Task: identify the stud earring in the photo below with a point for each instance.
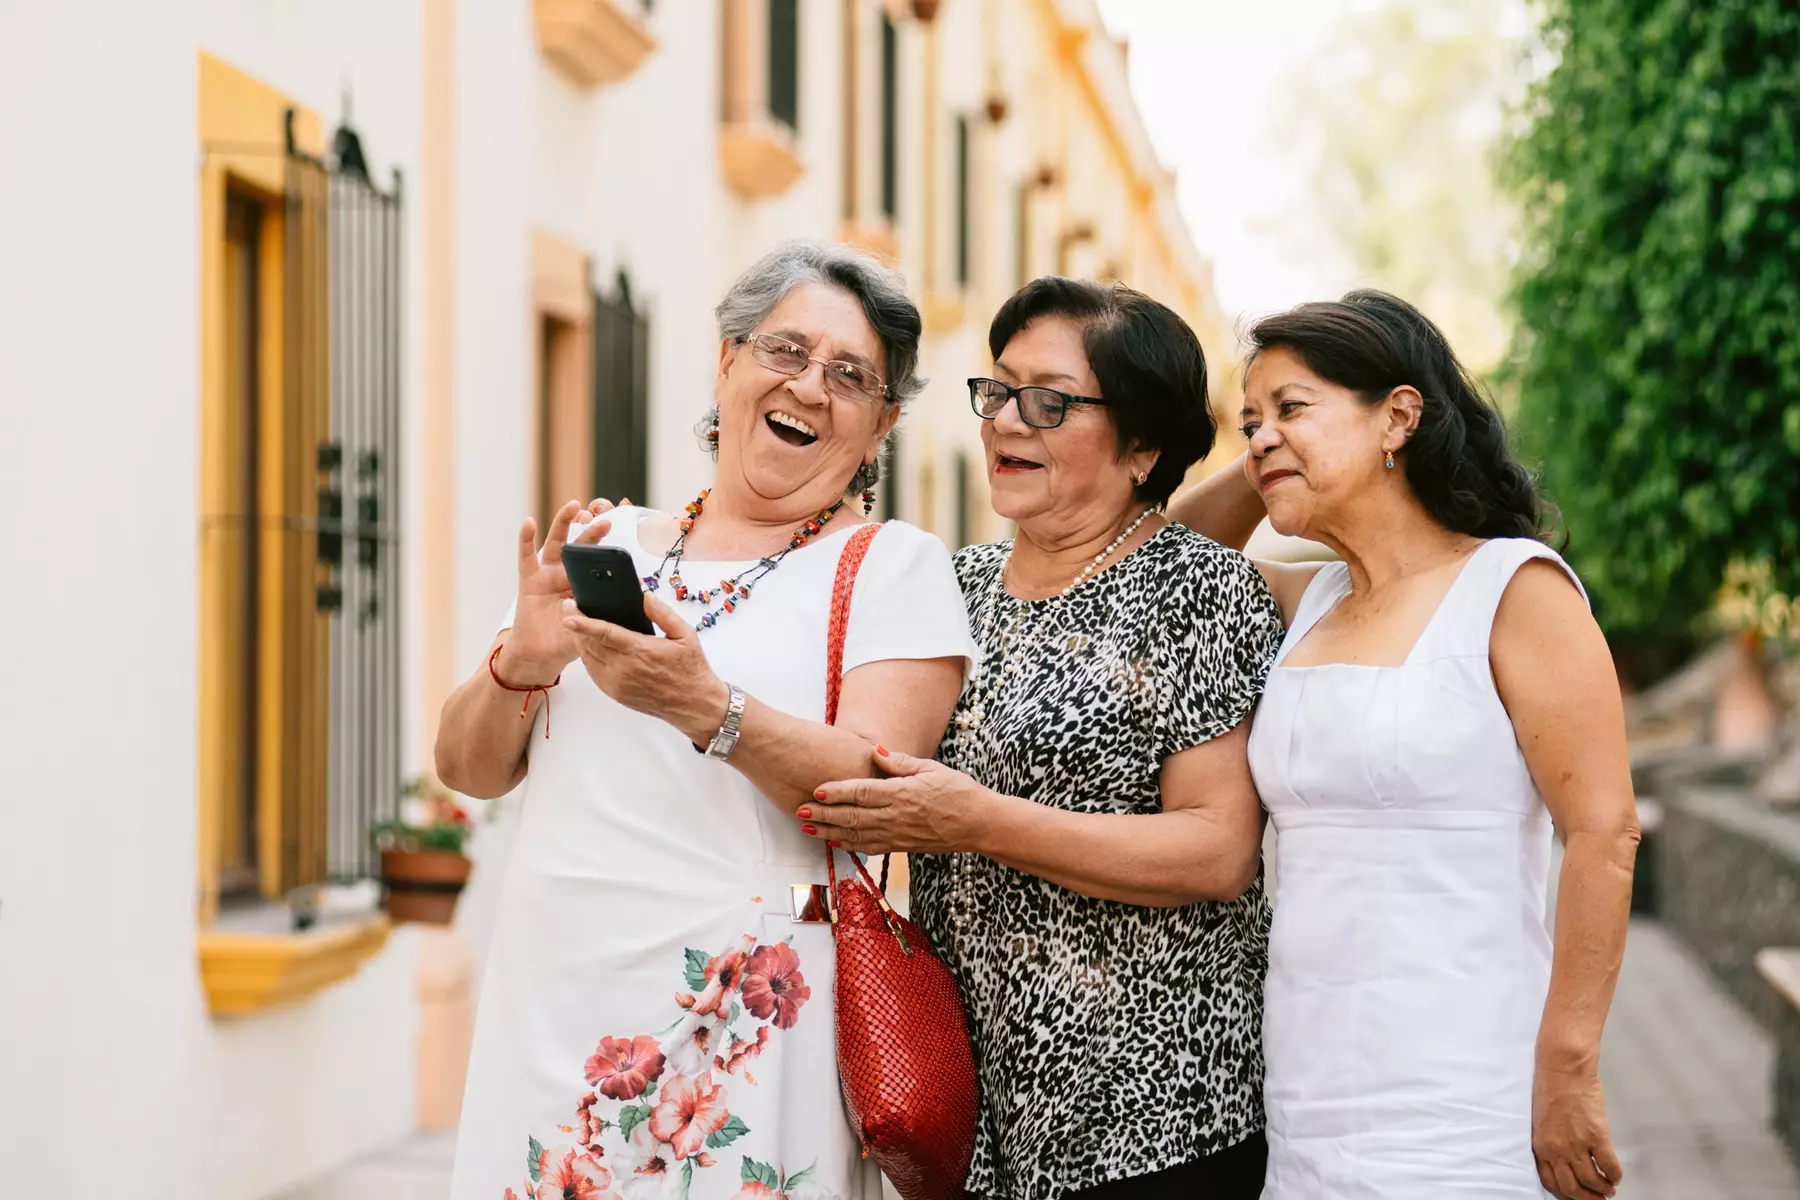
(868, 501)
(1390, 460)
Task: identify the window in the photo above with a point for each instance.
(299, 641)
(299, 618)
(963, 199)
(784, 62)
(890, 118)
(563, 311)
(621, 396)
(760, 96)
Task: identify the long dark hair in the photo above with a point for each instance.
(1458, 460)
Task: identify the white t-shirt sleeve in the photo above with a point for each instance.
(907, 603)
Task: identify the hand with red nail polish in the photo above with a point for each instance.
(910, 805)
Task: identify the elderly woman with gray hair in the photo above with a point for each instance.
(653, 1020)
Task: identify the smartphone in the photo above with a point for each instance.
(606, 587)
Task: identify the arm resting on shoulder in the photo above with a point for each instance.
(1223, 506)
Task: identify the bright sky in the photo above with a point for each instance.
(1204, 73)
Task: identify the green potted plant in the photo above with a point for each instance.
(423, 867)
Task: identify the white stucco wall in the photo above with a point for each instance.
(113, 1077)
(98, 442)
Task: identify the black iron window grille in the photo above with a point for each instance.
(621, 383)
(784, 62)
(342, 386)
(890, 118)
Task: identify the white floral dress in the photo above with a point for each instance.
(653, 1023)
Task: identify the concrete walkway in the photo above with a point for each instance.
(1687, 1083)
(1686, 1075)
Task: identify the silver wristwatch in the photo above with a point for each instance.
(725, 741)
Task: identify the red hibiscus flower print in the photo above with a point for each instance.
(724, 975)
(773, 985)
(574, 1176)
(742, 1051)
(623, 1067)
(687, 1112)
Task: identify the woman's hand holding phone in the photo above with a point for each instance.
(539, 645)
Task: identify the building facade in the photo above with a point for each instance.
(305, 305)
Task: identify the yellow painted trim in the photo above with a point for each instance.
(876, 239)
(559, 278)
(250, 972)
(759, 159)
(591, 42)
(241, 130)
(944, 312)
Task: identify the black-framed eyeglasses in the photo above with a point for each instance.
(845, 380)
(1039, 407)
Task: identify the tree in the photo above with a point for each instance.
(1658, 362)
(1398, 117)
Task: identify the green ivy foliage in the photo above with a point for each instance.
(1658, 361)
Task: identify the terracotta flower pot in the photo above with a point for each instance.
(422, 885)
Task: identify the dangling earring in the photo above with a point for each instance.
(868, 501)
(1390, 460)
(712, 434)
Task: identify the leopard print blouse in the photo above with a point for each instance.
(1113, 1040)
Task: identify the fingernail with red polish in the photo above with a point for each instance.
(804, 814)
(834, 845)
(881, 750)
(810, 830)
(819, 795)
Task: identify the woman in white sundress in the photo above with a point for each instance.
(654, 1020)
(1442, 699)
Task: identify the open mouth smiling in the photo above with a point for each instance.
(1006, 464)
(791, 429)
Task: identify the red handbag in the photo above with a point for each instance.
(902, 1040)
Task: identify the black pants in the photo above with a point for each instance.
(1234, 1173)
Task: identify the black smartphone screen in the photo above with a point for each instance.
(606, 587)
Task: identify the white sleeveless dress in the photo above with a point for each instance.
(1409, 959)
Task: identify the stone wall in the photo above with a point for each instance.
(1727, 880)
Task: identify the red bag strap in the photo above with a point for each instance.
(849, 563)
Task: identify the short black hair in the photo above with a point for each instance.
(1151, 369)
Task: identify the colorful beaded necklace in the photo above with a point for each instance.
(736, 590)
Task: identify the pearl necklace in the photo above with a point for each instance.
(982, 691)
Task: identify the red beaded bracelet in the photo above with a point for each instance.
(524, 709)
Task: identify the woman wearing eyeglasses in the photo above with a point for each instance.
(654, 1021)
(1087, 851)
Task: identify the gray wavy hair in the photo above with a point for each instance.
(882, 293)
